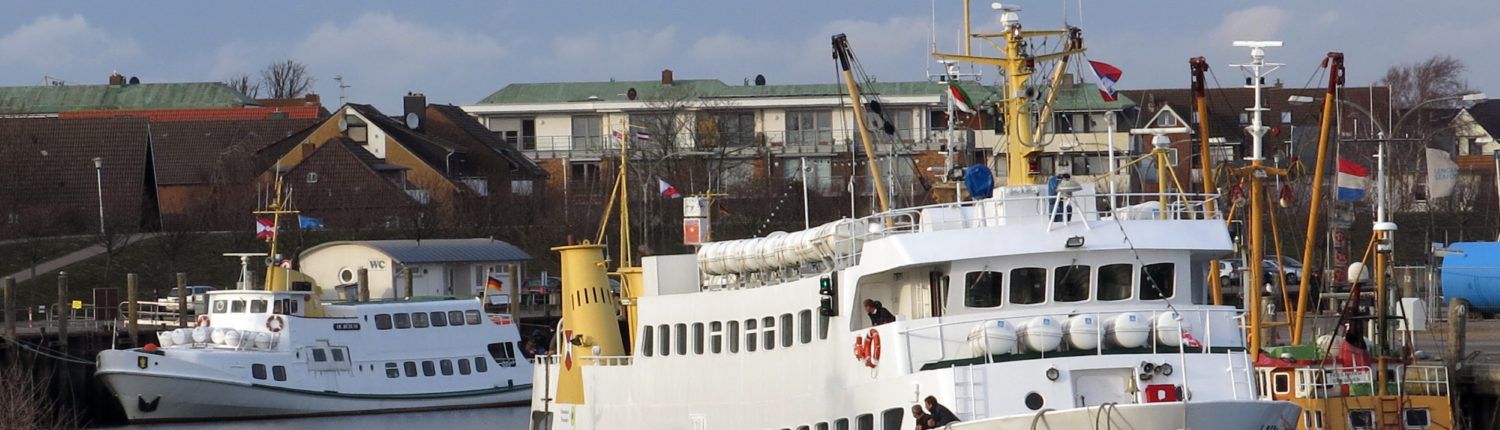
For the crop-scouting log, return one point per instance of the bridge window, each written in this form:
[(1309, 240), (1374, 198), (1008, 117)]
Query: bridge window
[(1157, 281), (1071, 284), (646, 338), (257, 306), (983, 289), (221, 306), (1114, 281), (382, 321), (237, 306), (419, 320), (456, 317), (339, 354), (1028, 285), (258, 371), (786, 330), (319, 355), (403, 321), (804, 325), (439, 319), (734, 337)]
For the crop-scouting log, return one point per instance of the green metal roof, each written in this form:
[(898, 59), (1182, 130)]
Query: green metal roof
[(67, 98), (1077, 97)]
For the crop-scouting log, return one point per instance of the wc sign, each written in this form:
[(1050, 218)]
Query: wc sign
[(377, 264)]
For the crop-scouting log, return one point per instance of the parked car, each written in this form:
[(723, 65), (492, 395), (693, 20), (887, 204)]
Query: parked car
[(194, 292)]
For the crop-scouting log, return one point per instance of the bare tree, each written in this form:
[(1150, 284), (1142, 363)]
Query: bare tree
[(1436, 77), (245, 84), (286, 79)]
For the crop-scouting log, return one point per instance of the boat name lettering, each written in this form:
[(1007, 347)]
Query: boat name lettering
[(346, 326)]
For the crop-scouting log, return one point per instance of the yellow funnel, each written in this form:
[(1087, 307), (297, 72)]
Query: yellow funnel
[(588, 317)]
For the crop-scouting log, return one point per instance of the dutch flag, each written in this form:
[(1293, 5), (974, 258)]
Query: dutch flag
[(1353, 180)]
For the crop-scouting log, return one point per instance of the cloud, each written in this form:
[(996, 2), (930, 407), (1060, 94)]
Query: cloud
[(625, 55), (56, 42), (382, 57), (1256, 23)]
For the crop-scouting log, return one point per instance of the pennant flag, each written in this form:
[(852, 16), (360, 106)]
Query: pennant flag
[(1442, 174), (1352, 181), (667, 190), (309, 223), (1189, 341), (643, 136), (961, 100), (264, 229), (618, 135), (723, 211), (1107, 76)]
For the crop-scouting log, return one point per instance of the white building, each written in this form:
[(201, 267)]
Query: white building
[(439, 267)]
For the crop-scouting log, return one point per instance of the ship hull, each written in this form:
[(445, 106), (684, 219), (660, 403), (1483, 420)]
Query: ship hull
[(1216, 415), (156, 398)]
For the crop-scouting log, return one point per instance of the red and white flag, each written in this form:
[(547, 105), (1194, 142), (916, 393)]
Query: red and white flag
[(1189, 341), (667, 190), (1106, 77), (264, 229), (961, 100), (642, 136)]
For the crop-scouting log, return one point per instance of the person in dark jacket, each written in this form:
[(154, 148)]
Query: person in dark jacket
[(878, 313), (940, 414), (923, 421)]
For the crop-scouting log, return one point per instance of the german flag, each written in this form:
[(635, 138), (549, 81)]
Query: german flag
[(494, 284)]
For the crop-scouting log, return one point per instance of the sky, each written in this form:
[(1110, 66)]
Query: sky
[(460, 51)]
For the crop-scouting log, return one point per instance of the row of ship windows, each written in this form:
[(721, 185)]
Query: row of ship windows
[(258, 371), (426, 319), (1028, 285), (433, 368), (721, 335), (239, 306), (890, 419)]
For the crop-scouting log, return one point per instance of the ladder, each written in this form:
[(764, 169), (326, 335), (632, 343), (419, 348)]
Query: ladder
[(1239, 374), (1391, 416), (969, 385)]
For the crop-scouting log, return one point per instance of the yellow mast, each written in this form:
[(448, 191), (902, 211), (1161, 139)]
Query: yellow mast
[(1018, 65), (1198, 65), (276, 209), (1258, 69), (1335, 65), (841, 51)]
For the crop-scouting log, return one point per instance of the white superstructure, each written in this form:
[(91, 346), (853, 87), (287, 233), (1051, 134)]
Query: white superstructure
[(1026, 310), (259, 354)]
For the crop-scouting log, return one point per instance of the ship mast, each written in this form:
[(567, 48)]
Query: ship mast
[(1019, 63), (1335, 65), (842, 53), (276, 208), (1258, 69), (1198, 65)]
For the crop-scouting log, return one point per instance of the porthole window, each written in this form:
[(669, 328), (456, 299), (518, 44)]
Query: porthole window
[(419, 320), (1034, 401), (455, 317), (446, 366), (682, 338), (665, 335), (411, 368), (716, 337), (439, 319), (258, 371), (463, 367), (786, 330), (480, 365), (750, 335), (346, 276), (734, 337), (403, 320), (278, 373), (646, 340), (471, 317), (698, 338), (428, 369), (768, 333), (382, 321)]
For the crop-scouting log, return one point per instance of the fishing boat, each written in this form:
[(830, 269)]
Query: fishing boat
[(281, 352), (1027, 306)]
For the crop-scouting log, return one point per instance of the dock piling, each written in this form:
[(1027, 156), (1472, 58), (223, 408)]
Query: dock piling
[(406, 271), (182, 293), (132, 305), (9, 287), (363, 278), (62, 309)]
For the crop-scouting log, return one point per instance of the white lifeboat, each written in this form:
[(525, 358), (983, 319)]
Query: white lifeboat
[(1040, 334), (1127, 330), (992, 338), (1082, 332)]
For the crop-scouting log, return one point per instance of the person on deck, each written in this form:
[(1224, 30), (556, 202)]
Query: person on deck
[(923, 421), (1354, 352), (940, 414), (878, 313)]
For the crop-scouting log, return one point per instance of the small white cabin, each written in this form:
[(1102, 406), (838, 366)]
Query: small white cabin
[(439, 267)]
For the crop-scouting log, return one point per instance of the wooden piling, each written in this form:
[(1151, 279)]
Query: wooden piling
[(1458, 321), (9, 287), (62, 309), (132, 305), (182, 294), (406, 271), (363, 279)]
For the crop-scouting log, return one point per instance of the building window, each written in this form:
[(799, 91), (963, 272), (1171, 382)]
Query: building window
[(901, 120), (983, 289), (1195, 117), (1244, 118), (1028, 285), (583, 171), (809, 127), (312, 177), (1167, 120), (1115, 281), (729, 129), (1071, 283), (587, 132), (1286, 117), (1157, 281)]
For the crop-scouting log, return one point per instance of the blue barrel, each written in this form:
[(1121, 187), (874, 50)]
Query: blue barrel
[(1471, 271)]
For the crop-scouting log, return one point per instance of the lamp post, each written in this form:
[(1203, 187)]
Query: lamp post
[(99, 187)]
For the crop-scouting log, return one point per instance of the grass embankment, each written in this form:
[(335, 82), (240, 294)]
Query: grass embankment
[(19, 255)]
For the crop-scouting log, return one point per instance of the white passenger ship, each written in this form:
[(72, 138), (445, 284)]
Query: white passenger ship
[(1033, 309), (263, 354)]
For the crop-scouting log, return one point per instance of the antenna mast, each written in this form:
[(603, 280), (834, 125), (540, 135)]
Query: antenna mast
[(1258, 69), (340, 79)]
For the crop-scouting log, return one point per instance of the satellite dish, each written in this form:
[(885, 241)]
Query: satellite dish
[(412, 122), (630, 94), (135, 80), (343, 124)]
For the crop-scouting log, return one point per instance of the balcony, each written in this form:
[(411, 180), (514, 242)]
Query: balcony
[(774, 142)]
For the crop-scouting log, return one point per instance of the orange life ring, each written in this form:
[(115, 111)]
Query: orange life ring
[(279, 323), (202, 321), (860, 349), (873, 359)]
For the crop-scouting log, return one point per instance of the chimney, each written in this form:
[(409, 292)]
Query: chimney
[(116, 79), (415, 107), (666, 76)]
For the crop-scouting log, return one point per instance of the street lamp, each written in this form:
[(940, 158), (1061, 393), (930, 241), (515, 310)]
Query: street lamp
[(99, 186)]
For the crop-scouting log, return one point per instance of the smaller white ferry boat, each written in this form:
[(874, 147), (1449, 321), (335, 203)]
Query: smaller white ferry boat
[(280, 352)]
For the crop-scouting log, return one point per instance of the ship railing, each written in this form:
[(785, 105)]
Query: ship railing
[(961, 340), (589, 360), (1418, 380), (1048, 212)]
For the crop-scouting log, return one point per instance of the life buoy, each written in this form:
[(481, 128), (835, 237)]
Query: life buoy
[(275, 323), (873, 344), (860, 349), (202, 321)]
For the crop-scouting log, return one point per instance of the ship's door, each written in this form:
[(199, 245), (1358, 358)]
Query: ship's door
[(937, 292), (1099, 386)]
